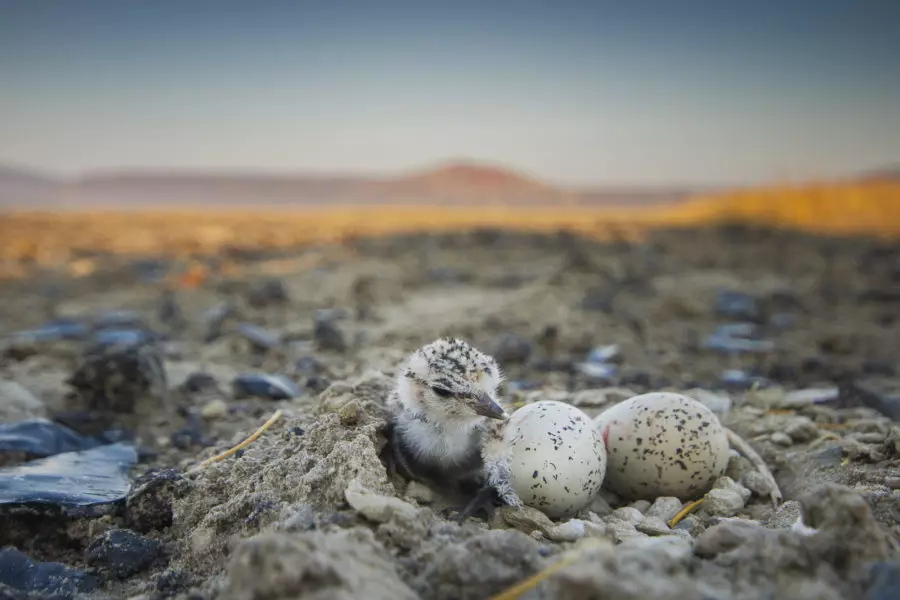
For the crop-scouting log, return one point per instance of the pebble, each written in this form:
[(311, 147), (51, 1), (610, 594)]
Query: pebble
[(628, 514), (653, 526), (719, 403), (801, 429), (39, 438), (664, 508), (44, 579), (17, 403), (512, 348), (892, 482), (622, 531), (420, 492), (572, 530), (722, 502), (600, 506), (737, 305), (80, 483), (757, 483), (260, 385), (214, 409), (122, 552), (736, 338), (884, 582), (786, 515), (780, 438), (328, 336), (641, 505), (727, 483), (604, 354), (686, 524), (726, 536), (376, 507)]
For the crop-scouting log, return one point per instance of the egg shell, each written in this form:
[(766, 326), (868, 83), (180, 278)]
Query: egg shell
[(556, 461), (662, 444)]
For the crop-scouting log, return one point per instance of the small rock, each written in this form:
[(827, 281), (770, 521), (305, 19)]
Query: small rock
[(300, 518), (259, 385), (343, 564), (598, 371), (600, 506), (480, 567), (801, 429), (806, 397), (641, 505), (726, 536), (719, 403), (122, 552), (214, 409), (884, 582), (84, 483), (780, 438), (722, 502), (727, 483), (629, 515), (737, 305), (149, 503), (621, 531), (327, 335), (653, 526), (686, 524), (757, 483), (605, 354), (115, 378), (573, 530), (512, 348), (527, 519), (271, 292), (17, 403), (45, 579), (259, 339), (376, 507), (786, 515), (419, 492), (664, 508)]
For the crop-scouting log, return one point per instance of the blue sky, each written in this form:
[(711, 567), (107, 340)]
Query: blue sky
[(574, 92)]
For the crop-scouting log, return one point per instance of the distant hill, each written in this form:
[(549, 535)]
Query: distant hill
[(23, 186), (887, 173), (455, 183)]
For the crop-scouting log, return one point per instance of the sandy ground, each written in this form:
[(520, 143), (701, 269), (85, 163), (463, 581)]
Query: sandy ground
[(308, 510)]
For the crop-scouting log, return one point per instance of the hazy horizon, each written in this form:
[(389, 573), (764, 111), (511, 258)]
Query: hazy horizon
[(575, 93)]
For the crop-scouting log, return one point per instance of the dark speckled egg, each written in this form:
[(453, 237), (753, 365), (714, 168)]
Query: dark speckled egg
[(556, 461), (662, 444)]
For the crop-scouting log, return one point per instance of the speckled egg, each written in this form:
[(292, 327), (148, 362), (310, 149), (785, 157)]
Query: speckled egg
[(662, 444), (556, 461)]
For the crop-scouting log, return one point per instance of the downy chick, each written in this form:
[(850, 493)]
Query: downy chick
[(444, 411)]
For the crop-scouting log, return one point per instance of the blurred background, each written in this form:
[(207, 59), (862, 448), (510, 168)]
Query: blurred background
[(541, 114)]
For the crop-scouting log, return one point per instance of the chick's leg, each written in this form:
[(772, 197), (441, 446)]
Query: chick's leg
[(393, 457), (484, 501)]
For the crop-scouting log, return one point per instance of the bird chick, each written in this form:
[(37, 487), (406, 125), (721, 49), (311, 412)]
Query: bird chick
[(441, 407)]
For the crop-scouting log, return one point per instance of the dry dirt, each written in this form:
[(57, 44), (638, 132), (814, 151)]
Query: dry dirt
[(308, 510)]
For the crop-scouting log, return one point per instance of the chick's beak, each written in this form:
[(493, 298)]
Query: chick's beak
[(488, 407)]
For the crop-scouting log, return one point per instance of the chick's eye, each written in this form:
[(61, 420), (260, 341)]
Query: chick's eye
[(443, 393)]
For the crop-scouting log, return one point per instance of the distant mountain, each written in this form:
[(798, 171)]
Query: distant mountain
[(454, 183), (887, 173), (19, 186)]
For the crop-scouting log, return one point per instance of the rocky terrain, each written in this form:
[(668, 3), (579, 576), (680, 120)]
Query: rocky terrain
[(115, 387)]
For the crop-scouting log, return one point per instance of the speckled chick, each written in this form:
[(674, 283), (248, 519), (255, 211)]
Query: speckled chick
[(662, 444), (443, 399)]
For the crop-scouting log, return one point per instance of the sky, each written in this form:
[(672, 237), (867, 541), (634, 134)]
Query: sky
[(579, 93)]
